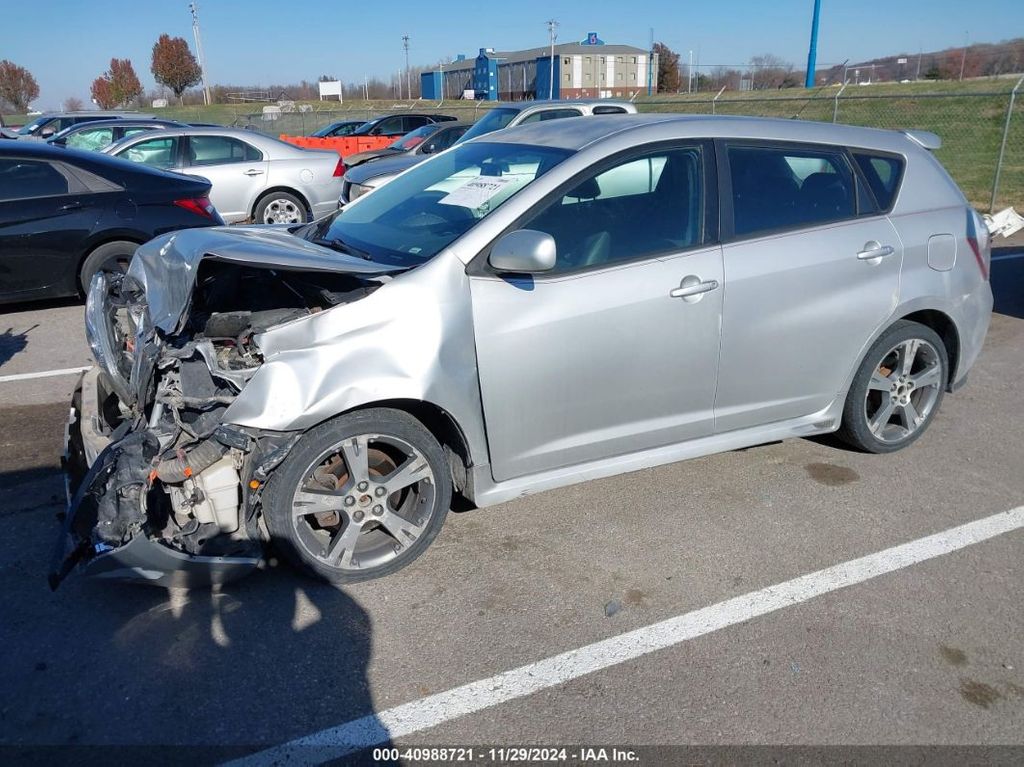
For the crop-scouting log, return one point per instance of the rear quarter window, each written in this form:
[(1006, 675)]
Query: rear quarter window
[(883, 174)]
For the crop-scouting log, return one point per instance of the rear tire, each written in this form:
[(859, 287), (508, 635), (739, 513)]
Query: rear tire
[(109, 257), (280, 208), (897, 389), (359, 497)]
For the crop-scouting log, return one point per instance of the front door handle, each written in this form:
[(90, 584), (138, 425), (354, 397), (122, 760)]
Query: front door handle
[(253, 172), (71, 206), (692, 288), (874, 251)]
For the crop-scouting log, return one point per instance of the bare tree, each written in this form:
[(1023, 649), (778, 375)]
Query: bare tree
[(770, 71), (73, 104)]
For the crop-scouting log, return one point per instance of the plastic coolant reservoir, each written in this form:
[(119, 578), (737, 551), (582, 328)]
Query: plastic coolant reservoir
[(220, 486)]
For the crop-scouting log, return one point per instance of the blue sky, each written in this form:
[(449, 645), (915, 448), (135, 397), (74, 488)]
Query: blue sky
[(67, 43)]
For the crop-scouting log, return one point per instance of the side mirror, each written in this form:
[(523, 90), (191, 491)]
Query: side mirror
[(524, 251), (46, 132), (429, 148)]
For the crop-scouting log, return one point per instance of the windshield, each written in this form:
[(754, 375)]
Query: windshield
[(27, 130), (414, 139), (494, 120), (411, 219)]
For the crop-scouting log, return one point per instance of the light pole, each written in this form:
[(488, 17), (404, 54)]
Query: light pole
[(552, 32), (812, 53), (194, 8), (408, 85), (963, 58)]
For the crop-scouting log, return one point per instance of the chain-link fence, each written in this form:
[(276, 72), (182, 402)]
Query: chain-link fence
[(303, 123), (982, 132), (973, 127)]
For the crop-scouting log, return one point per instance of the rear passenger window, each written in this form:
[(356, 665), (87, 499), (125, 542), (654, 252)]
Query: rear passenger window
[(551, 114), (218, 150), (883, 175), (775, 188), (608, 110), (21, 179)]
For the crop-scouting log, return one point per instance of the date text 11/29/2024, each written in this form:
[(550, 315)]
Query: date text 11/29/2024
[(503, 754)]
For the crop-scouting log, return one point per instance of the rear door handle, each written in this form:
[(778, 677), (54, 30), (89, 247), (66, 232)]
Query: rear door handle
[(692, 289), (71, 206), (253, 172), (872, 250)]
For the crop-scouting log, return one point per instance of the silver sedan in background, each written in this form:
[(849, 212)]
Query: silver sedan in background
[(254, 177)]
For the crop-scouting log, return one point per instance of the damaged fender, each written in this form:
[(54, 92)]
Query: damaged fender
[(408, 340)]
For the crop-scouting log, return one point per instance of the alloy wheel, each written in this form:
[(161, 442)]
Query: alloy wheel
[(363, 502), (282, 211), (903, 390)]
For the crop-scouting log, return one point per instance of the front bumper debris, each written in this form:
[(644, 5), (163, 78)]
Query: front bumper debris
[(104, 532)]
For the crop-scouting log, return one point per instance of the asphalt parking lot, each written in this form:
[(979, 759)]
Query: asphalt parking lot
[(928, 651)]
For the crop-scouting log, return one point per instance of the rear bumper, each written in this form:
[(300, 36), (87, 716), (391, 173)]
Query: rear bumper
[(976, 314)]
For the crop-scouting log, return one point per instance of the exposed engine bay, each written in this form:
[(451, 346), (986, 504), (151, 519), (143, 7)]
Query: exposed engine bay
[(160, 487)]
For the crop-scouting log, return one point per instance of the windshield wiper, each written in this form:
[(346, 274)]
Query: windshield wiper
[(342, 247)]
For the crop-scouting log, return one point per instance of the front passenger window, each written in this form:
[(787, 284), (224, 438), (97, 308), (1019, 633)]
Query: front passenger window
[(156, 152), (638, 208)]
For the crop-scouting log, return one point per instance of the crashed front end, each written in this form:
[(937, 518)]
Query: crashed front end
[(161, 488)]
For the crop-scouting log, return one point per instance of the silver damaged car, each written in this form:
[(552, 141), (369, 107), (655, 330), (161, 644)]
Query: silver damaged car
[(534, 308)]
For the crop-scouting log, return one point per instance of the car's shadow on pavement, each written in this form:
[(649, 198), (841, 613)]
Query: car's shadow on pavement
[(112, 669)]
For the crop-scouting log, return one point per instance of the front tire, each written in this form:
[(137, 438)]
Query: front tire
[(280, 208), (359, 497), (897, 389)]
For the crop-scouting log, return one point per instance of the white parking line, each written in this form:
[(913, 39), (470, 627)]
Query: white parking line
[(433, 710), (43, 374)]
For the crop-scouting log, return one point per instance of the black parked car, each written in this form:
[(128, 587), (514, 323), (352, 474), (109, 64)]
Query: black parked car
[(96, 135), (397, 125), (340, 128), (66, 214)]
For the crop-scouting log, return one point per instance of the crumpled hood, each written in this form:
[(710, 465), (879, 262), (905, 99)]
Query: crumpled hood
[(166, 266)]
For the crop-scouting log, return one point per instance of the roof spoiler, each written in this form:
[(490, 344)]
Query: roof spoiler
[(927, 139)]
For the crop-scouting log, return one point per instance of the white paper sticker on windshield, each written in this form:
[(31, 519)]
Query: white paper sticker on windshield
[(475, 193)]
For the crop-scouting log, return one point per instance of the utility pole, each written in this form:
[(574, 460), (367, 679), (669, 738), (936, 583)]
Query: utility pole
[(366, 88), (812, 52), (650, 67), (919, 53), (408, 84), (553, 34), (963, 58), (194, 8)]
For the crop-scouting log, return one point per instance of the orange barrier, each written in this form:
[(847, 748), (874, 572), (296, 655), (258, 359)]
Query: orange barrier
[(343, 145)]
